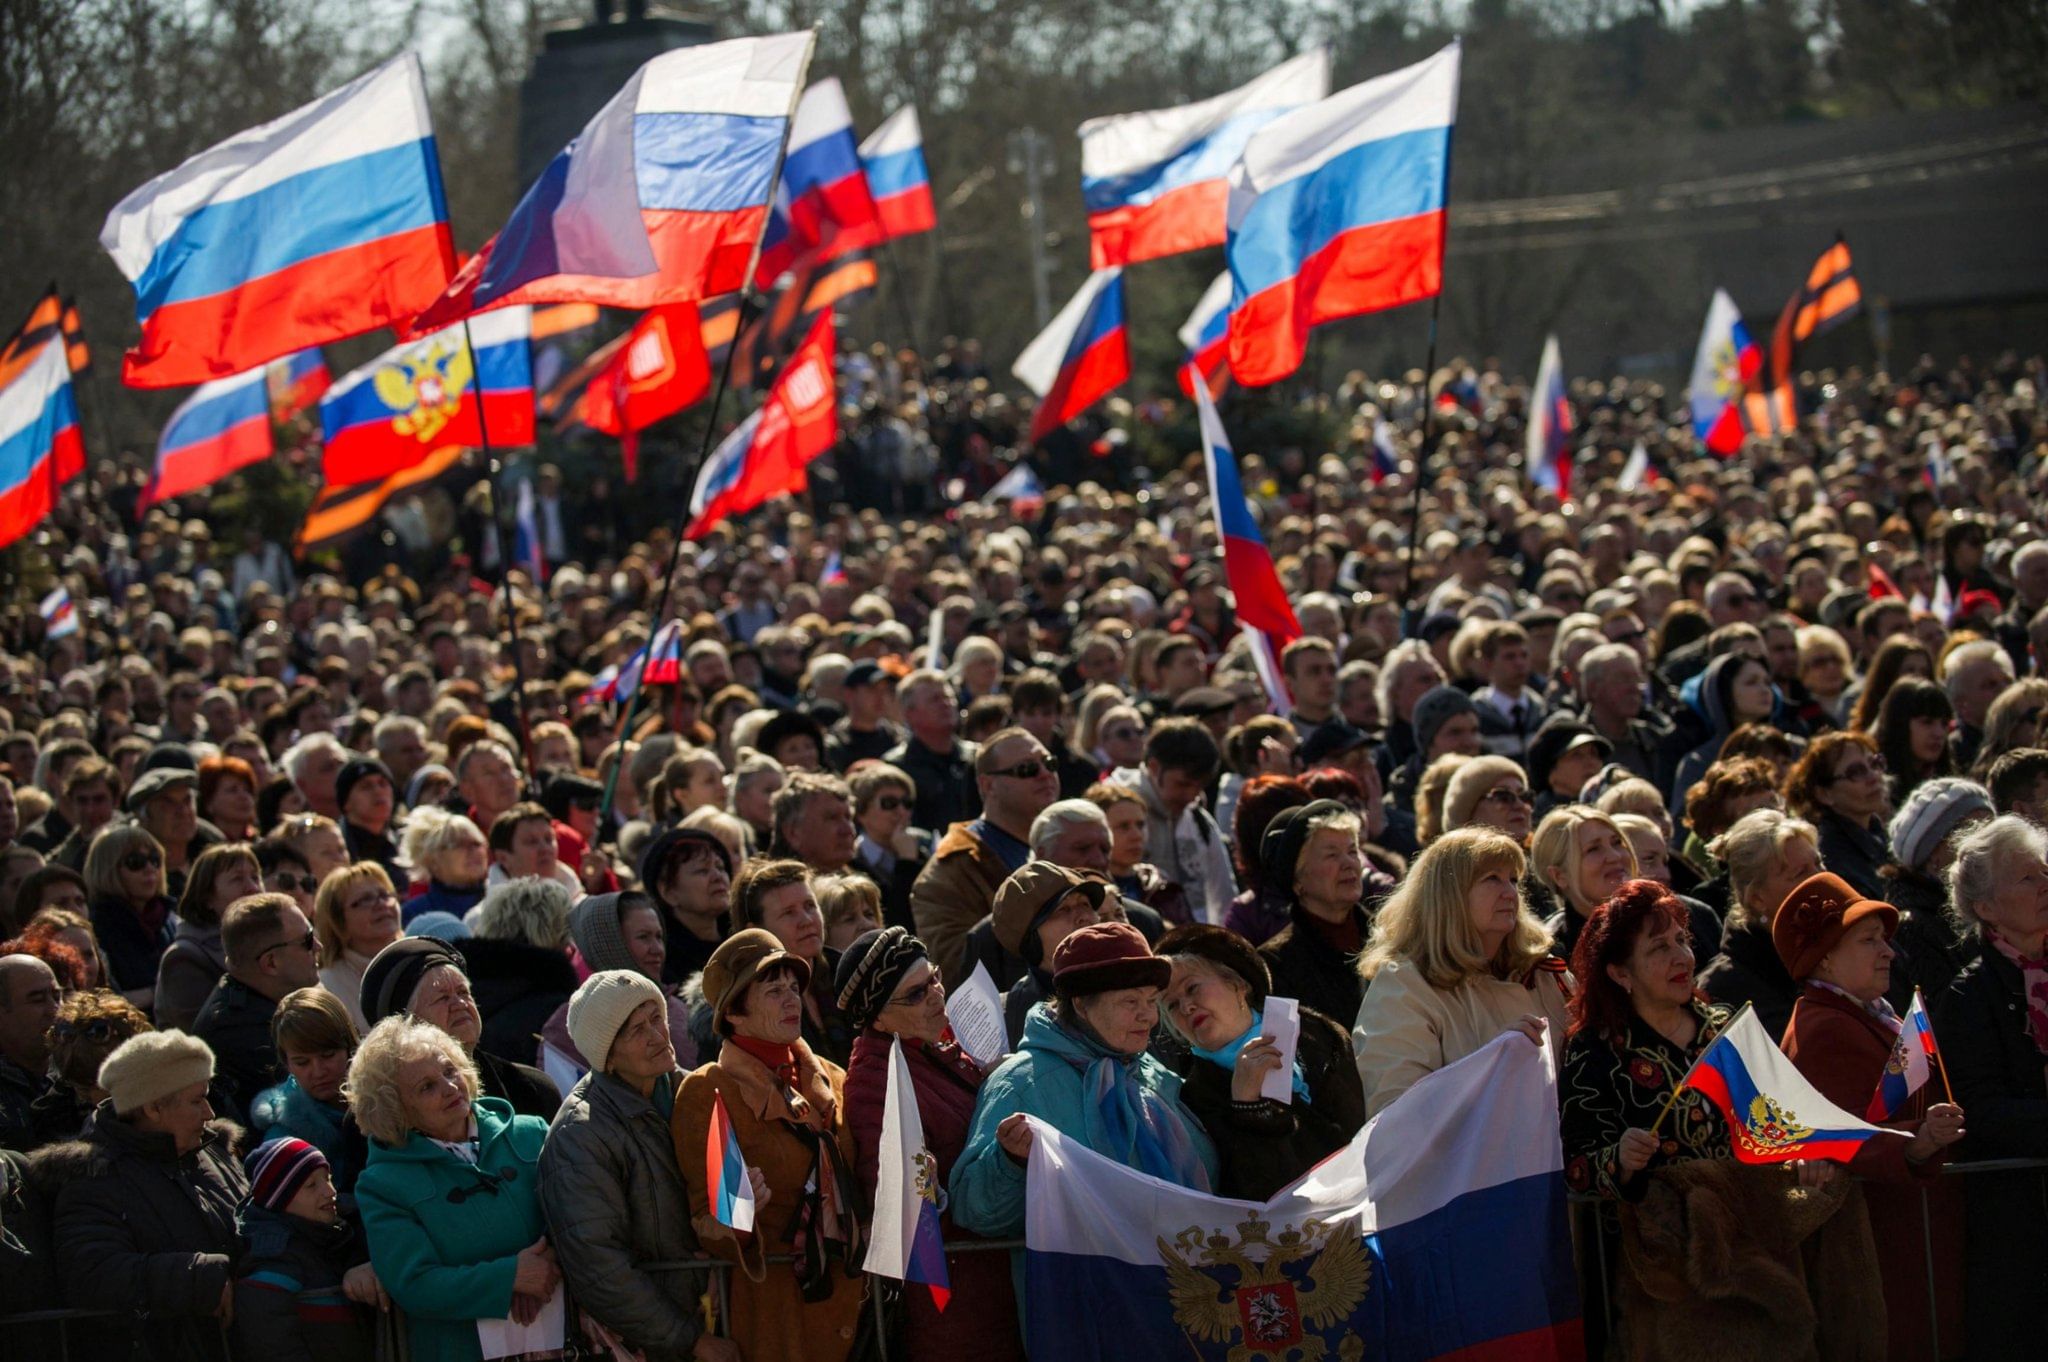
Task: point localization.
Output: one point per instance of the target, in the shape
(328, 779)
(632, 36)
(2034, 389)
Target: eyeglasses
(892, 803)
(290, 883)
(141, 860)
(1506, 794)
(916, 996)
(1860, 771)
(1023, 770)
(99, 1028)
(304, 943)
(1122, 733)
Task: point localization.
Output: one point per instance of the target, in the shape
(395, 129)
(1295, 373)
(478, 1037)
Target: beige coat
(1408, 1028)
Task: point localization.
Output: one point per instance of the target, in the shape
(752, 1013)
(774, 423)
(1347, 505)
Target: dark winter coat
(20, 1091)
(529, 1091)
(289, 1305)
(1307, 969)
(1931, 954)
(1749, 970)
(235, 1024)
(141, 1227)
(1858, 855)
(1264, 1145)
(132, 950)
(517, 988)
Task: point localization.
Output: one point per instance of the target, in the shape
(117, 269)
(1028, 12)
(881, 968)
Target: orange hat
(1816, 915)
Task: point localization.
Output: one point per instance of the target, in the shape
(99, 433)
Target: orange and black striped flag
(815, 287)
(338, 513)
(51, 317)
(1829, 296)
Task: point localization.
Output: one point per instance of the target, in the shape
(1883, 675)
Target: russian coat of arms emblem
(1288, 1297)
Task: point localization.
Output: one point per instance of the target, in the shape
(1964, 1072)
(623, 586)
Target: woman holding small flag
(782, 1167)
(1844, 1037)
(889, 988)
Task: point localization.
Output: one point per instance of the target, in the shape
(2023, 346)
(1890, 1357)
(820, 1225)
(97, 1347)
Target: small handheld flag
(527, 551)
(1549, 453)
(1774, 1114)
(725, 1172)
(60, 617)
(905, 1242)
(1910, 1064)
(1386, 453)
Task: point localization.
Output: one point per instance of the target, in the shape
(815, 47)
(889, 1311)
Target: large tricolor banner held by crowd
(323, 224)
(1439, 1232)
(1337, 210)
(1155, 182)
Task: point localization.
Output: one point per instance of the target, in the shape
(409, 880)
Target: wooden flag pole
(1678, 1088)
(495, 471)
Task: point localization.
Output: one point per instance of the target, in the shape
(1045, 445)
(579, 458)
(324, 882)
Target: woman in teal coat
(1083, 1070)
(450, 1200)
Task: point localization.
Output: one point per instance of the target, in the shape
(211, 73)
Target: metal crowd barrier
(720, 1270)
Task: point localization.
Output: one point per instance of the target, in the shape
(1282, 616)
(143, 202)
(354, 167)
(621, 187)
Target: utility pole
(1031, 157)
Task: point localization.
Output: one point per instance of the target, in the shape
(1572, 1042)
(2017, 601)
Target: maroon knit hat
(278, 1169)
(1106, 956)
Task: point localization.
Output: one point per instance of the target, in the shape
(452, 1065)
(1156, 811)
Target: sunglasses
(304, 943)
(1023, 770)
(290, 883)
(1862, 770)
(891, 803)
(1507, 794)
(100, 1028)
(141, 860)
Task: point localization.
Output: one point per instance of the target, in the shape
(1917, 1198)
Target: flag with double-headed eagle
(466, 385)
(1452, 1196)
(909, 1198)
(1774, 1114)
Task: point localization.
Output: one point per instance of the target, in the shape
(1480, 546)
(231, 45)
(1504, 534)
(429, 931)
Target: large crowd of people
(367, 977)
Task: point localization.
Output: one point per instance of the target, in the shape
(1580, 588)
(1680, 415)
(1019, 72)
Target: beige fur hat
(603, 1005)
(152, 1065)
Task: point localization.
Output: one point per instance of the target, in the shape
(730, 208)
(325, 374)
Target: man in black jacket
(271, 951)
(28, 1007)
(934, 755)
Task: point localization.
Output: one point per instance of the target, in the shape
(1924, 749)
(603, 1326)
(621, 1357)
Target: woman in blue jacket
(1083, 1070)
(450, 1199)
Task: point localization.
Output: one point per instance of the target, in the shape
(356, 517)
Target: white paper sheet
(975, 1010)
(506, 1338)
(1283, 1027)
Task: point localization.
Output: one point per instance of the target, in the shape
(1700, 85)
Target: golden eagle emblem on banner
(425, 388)
(1770, 1128)
(1288, 1297)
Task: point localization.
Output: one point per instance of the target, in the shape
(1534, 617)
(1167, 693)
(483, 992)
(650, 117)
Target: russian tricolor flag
(1155, 183)
(297, 382)
(40, 447)
(905, 1241)
(431, 394)
(1338, 209)
(1386, 452)
(893, 156)
(1548, 451)
(1774, 1115)
(1263, 609)
(1725, 367)
(1910, 1066)
(527, 551)
(1079, 359)
(768, 454)
(823, 207)
(326, 223)
(1206, 334)
(224, 425)
(60, 618)
(662, 196)
(725, 1171)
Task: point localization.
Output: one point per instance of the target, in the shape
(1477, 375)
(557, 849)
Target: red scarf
(779, 1059)
(2033, 985)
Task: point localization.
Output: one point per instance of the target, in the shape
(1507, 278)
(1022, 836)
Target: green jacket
(445, 1237)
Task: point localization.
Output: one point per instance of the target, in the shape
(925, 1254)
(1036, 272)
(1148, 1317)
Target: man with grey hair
(933, 754)
(813, 819)
(313, 762)
(2029, 568)
(1973, 675)
(1611, 681)
(1073, 833)
(1408, 673)
(401, 743)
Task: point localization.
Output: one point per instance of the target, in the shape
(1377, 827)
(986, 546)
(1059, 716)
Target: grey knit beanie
(1931, 813)
(1435, 709)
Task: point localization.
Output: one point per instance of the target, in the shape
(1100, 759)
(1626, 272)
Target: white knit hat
(1931, 813)
(602, 1005)
(152, 1065)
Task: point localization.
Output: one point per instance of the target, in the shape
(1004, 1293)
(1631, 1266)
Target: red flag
(660, 370)
(1881, 583)
(766, 454)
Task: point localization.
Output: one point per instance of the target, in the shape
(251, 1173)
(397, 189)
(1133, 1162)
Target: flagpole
(1422, 457)
(494, 470)
(897, 291)
(1672, 1100)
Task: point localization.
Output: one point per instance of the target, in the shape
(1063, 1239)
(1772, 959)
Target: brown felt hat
(1024, 900)
(1107, 956)
(1818, 914)
(739, 960)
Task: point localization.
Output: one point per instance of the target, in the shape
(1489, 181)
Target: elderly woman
(355, 915)
(451, 853)
(1487, 792)
(424, 978)
(1839, 786)
(131, 908)
(1924, 833)
(786, 1108)
(1314, 851)
(196, 959)
(143, 1203)
(609, 1182)
(890, 850)
(1216, 1004)
(1768, 854)
(1456, 958)
(1993, 1024)
(1083, 1070)
(613, 933)
(517, 959)
(450, 1198)
(1036, 909)
(1842, 1037)
(890, 990)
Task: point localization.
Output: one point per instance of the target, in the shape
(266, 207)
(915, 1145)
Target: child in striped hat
(291, 1299)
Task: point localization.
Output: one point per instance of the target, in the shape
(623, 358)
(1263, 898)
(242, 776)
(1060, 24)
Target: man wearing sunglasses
(271, 950)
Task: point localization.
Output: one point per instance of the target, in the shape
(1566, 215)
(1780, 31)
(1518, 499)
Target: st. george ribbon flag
(1440, 1231)
(1080, 357)
(662, 196)
(323, 224)
(430, 394)
(1338, 209)
(1155, 182)
(893, 156)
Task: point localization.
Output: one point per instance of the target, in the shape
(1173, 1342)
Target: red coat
(981, 1323)
(1842, 1050)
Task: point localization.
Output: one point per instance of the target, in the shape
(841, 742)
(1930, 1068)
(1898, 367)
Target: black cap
(866, 672)
(562, 789)
(1559, 734)
(359, 768)
(654, 861)
(390, 979)
(1332, 739)
(1203, 700)
(150, 784)
(1281, 847)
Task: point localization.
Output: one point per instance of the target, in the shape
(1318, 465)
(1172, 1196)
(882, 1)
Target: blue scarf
(1124, 1119)
(1227, 1056)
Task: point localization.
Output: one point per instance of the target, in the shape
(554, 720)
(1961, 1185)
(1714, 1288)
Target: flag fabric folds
(51, 317)
(429, 394)
(1155, 183)
(656, 370)
(1829, 296)
(766, 455)
(823, 207)
(296, 382)
(1638, 470)
(1206, 334)
(1547, 453)
(1725, 368)
(1774, 1115)
(1021, 488)
(1386, 454)
(662, 196)
(904, 1242)
(1081, 357)
(60, 617)
(1262, 602)
(662, 668)
(224, 425)
(323, 224)
(732, 1201)
(339, 512)
(1337, 209)
(527, 550)
(1910, 1066)
(893, 157)
(1439, 1232)
(40, 445)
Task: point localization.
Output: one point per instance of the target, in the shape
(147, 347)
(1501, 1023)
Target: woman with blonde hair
(1430, 792)
(355, 915)
(1768, 853)
(1456, 958)
(1578, 858)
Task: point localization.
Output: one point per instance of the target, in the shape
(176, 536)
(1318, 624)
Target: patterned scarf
(1128, 1121)
(2033, 983)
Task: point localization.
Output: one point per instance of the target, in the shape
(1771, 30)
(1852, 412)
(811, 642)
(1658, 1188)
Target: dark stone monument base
(579, 69)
